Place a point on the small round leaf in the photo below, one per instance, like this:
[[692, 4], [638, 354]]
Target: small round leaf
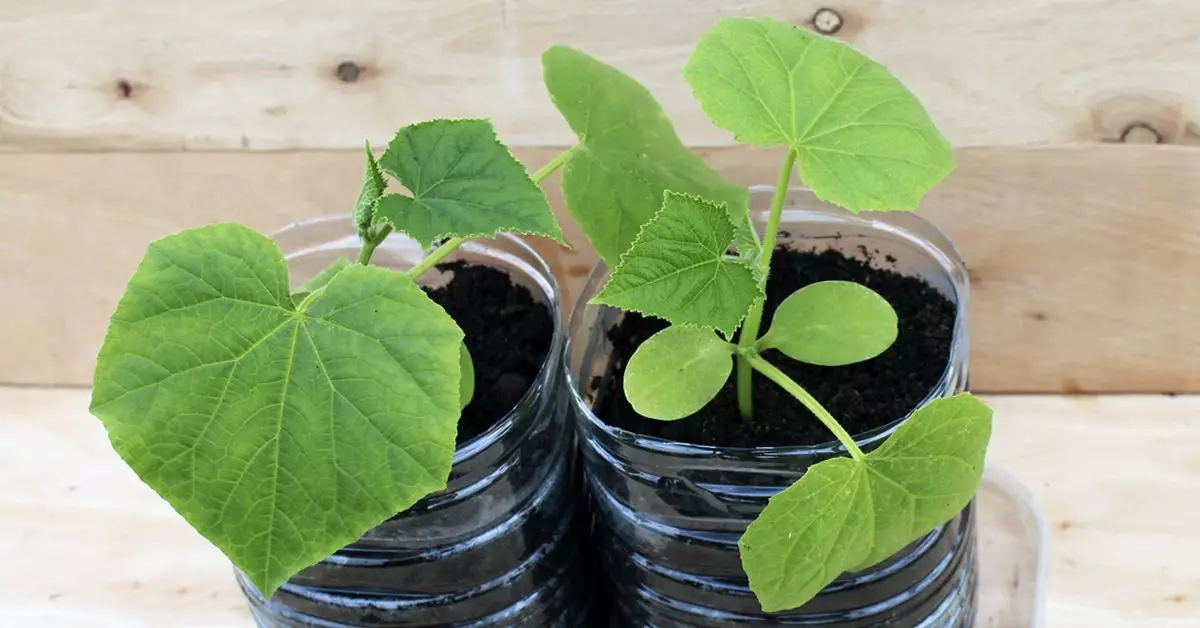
[[676, 372], [832, 323]]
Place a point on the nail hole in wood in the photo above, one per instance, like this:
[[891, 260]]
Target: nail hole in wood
[[1141, 133], [348, 71], [124, 88], [827, 21]]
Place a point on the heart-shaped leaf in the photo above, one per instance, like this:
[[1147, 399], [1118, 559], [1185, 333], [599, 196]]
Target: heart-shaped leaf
[[862, 139], [676, 371], [280, 432], [677, 269], [628, 155], [846, 514], [832, 323], [464, 183]]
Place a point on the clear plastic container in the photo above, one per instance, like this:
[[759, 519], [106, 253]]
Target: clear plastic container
[[1013, 553], [668, 514], [498, 548]]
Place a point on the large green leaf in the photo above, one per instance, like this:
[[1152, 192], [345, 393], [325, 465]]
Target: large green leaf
[[281, 433], [628, 155], [676, 371], [926, 472], [320, 279], [863, 140], [847, 514], [677, 269], [464, 183], [832, 323], [808, 534]]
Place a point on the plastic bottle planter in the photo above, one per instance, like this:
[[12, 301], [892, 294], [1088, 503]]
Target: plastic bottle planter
[[669, 514], [496, 549]]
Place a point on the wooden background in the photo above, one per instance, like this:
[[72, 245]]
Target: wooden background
[[1076, 203]]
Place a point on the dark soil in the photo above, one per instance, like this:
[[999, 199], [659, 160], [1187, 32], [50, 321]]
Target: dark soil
[[507, 332], [861, 396]]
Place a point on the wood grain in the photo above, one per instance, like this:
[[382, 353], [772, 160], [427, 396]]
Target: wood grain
[[96, 549], [1082, 258], [86, 544], [274, 74], [1108, 473]]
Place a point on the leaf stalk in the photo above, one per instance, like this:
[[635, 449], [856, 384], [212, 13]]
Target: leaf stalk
[[779, 377]]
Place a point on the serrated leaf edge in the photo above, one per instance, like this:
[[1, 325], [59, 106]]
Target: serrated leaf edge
[[364, 222], [556, 237], [598, 300]]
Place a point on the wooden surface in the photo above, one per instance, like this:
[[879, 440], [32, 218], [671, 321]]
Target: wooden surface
[[1082, 258], [1075, 204], [275, 74], [86, 545]]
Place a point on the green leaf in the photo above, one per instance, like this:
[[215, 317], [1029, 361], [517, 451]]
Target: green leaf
[[466, 385], [372, 189], [846, 515], [808, 534], [628, 155], [280, 433], [464, 183], [832, 323], [676, 371], [863, 140], [926, 472], [322, 278], [677, 269]]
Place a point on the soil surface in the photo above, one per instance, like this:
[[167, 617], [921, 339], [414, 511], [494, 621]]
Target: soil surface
[[861, 396], [508, 333]]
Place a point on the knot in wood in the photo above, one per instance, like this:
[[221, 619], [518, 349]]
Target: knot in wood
[[348, 71], [827, 21]]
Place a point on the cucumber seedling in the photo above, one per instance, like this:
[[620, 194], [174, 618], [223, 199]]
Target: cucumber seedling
[[281, 424], [682, 248]]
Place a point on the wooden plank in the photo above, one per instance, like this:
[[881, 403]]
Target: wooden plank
[[1107, 471], [271, 74], [1121, 551], [1082, 257], [87, 545]]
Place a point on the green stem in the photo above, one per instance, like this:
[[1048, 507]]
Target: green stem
[[788, 384], [438, 254], [554, 164], [369, 245], [749, 334], [451, 245]]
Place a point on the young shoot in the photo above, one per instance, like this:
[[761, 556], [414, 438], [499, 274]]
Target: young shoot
[[281, 424], [860, 140]]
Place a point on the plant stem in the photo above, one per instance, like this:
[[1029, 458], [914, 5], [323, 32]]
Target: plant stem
[[554, 164], [788, 384], [369, 245], [749, 333], [451, 245], [438, 254]]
